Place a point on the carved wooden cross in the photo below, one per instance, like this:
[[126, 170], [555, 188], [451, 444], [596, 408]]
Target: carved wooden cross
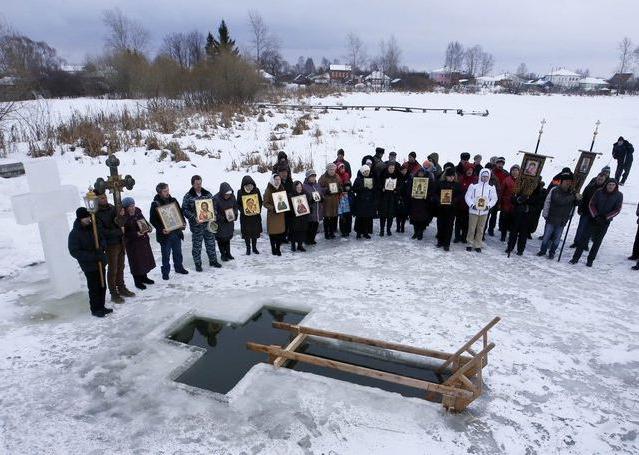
[[114, 183]]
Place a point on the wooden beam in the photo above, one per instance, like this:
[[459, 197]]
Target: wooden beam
[[366, 341], [478, 358], [292, 346], [470, 342], [362, 371]]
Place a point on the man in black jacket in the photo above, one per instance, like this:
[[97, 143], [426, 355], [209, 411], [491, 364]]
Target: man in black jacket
[[109, 225], [557, 208], [81, 244], [604, 205], [622, 152], [583, 212], [170, 241]]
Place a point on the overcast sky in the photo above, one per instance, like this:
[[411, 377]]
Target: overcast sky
[[542, 33]]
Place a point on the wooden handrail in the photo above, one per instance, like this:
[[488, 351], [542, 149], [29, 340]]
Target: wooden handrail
[[277, 351], [478, 358], [361, 340], [470, 342]]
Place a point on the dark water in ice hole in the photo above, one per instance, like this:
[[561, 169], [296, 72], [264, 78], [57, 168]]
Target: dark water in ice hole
[[227, 359]]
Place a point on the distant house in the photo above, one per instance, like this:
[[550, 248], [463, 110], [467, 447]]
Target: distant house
[[72, 69], [377, 80], [302, 79], [620, 80], [589, 84], [267, 77], [445, 76], [501, 80], [323, 78], [563, 78], [339, 73]]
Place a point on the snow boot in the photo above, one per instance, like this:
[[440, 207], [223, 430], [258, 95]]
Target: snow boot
[[124, 292], [254, 246], [147, 280], [116, 298], [198, 267]]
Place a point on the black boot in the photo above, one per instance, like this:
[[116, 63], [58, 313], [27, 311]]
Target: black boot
[[254, 246], [382, 226], [137, 280], [227, 245], [300, 247], [147, 280], [220, 246], [278, 245], [293, 246], [248, 246], [273, 248]]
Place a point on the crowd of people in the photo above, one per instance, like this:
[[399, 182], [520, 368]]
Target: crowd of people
[[469, 201]]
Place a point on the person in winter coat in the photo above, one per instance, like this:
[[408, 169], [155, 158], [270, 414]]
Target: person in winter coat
[[340, 159], [477, 165], [635, 247], [412, 165], [520, 220], [501, 175], [378, 165], [109, 222], [401, 212], [250, 214], [364, 202], [170, 241], [343, 174], [507, 207], [537, 207], [344, 210], [437, 169], [464, 159], [448, 191], [287, 182], [331, 188], [81, 244], [557, 209], [388, 195], [315, 202], [604, 205], [622, 151], [199, 227], [420, 210], [299, 223], [226, 214], [584, 213], [480, 198], [275, 222], [461, 215], [137, 244]]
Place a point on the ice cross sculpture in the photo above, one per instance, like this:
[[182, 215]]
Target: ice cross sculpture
[[48, 204]]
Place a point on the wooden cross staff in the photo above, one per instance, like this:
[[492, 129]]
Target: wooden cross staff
[[114, 183]]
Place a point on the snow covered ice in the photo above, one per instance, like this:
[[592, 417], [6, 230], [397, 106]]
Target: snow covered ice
[[562, 378]]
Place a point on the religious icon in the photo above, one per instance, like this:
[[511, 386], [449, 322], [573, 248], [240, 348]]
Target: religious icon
[[300, 205], [584, 166], [251, 204], [481, 203], [446, 197], [316, 196], [204, 210], [143, 226], [280, 200], [531, 168], [333, 188], [171, 216], [420, 188], [229, 214], [368, 183], [390, 184]]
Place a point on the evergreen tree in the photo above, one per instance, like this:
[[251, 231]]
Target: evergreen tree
[[224, 43], [211, 44]]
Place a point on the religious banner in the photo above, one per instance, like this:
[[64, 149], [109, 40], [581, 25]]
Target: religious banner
[[530, 174], [420, 188], [582, 169]]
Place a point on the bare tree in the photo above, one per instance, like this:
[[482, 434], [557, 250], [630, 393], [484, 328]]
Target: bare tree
[[522, 70], [486, 63], [472, 59], [625, 55], [195, 47], [454, 56], [389, 56], [125, 34], [583, 72], [355, 52], [263, 42], [174, 46]]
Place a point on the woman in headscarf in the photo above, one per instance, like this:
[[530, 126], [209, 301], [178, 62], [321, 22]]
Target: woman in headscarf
[[312, 187], [250, 213], [332, 189], [136, 241], [275, 222], [301, 215], [226, 214], [364, 196]]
